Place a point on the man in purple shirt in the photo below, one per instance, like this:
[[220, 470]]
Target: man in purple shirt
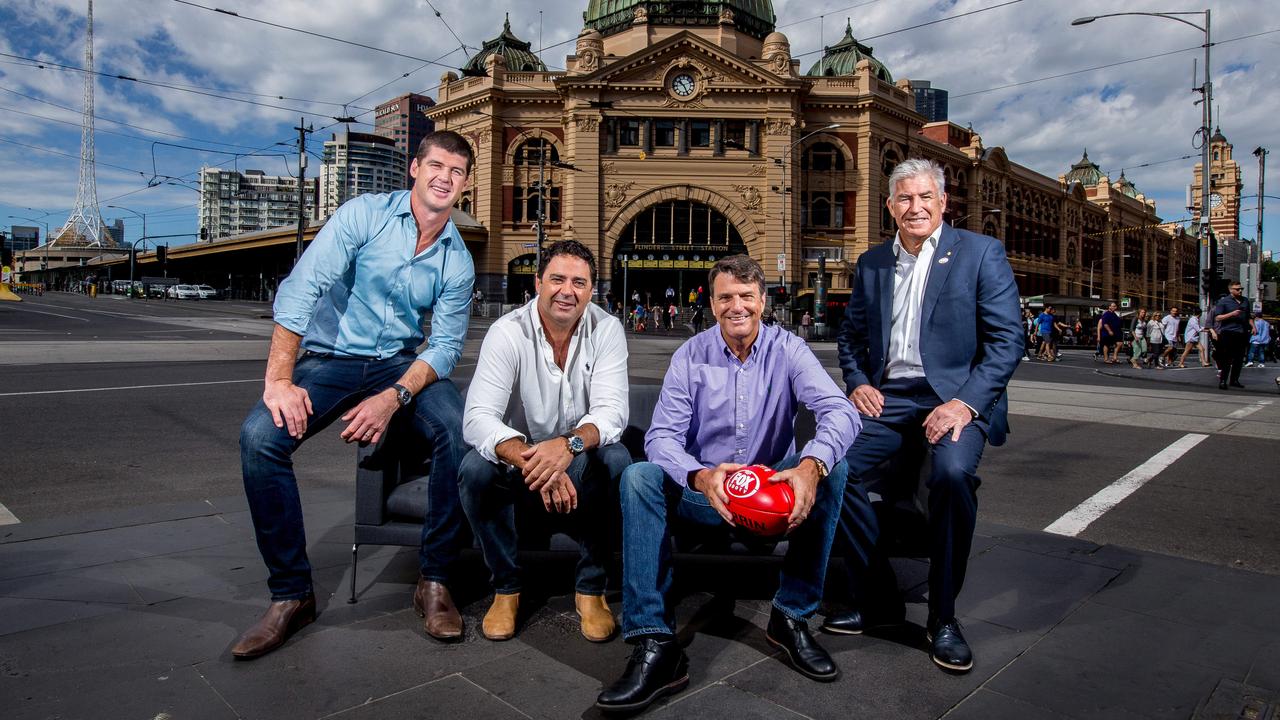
[[729, 399]]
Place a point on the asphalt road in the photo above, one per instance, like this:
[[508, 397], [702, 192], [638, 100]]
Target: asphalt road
[[110, 403]]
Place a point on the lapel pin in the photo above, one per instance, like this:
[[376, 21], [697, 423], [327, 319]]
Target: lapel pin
[[943, 261]]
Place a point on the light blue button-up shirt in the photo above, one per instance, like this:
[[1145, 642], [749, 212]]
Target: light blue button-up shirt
[[359, 290]]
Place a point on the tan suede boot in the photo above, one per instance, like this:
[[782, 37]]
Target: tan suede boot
[[598, 624], [500, 621]]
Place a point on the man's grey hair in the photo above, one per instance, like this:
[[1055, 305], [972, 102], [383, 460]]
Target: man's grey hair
[[742, 267], [914, 168]]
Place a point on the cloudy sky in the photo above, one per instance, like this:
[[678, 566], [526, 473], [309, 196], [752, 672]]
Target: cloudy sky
[[1018, 72]]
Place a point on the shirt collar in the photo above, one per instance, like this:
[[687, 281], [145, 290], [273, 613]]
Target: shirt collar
[[751, 353], [932, 241]]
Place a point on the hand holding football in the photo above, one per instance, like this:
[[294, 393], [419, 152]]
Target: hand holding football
[[757, 505]]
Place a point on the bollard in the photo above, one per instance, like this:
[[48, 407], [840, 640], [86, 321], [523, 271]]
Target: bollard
[[93, 291]]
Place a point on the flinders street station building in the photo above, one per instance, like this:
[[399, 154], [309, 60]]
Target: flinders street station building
[[680, 132]]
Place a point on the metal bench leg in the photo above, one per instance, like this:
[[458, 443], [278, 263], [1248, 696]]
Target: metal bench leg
[[354, 558]]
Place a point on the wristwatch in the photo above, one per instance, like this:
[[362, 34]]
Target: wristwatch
[[822, 467], [576, 446], [403, 396]]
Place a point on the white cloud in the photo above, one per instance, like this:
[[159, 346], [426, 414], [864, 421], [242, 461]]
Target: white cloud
[[1147, 114]]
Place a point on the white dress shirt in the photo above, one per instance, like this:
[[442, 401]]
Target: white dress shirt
[[519, 391], [911, 274]]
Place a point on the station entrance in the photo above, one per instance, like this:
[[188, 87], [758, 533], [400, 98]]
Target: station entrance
[[671, 245]]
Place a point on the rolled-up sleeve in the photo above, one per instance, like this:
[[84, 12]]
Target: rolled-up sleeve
[[488, 394], [609, 410], [325, 260], [837, 421], [449, 318], [664, 443]]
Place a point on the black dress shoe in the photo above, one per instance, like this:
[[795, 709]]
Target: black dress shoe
[[950, 651], [853, 622], [802, 651], [656, 668], [1222, 384]]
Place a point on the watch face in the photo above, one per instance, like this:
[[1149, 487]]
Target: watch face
[[682, 85]]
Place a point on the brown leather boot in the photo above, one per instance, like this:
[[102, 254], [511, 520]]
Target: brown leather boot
[[500, 621], [432, 602], [282, 619], [597, 620]]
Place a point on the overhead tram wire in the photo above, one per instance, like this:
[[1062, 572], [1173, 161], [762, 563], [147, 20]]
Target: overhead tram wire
[[924, 24], [44, 65], [1111, 65], [121, 122]]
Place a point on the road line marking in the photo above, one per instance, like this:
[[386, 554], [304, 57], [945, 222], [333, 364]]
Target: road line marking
[[1079, 518], [126, 387], [42, 312], [7, 517], [1246, 411]]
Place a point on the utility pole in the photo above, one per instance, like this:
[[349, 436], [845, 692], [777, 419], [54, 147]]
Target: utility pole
[[302, 186], [1261, 154]]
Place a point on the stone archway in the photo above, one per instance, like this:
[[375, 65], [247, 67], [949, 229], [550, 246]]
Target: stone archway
[[752, 234]]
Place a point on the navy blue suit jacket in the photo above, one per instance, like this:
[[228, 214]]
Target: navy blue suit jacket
[[971, 334]]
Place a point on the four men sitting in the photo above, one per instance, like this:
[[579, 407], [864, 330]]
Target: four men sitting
[[929, 341]]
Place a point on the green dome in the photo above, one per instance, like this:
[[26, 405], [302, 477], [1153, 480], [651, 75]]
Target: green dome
[[753, 17], [843, 58], [1085, 172], [514, 50]]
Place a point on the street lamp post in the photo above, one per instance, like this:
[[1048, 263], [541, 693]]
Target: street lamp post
[[1206, 126], [1092, 263], [44, 264], [782, 186], [133, 251], [625, 300], [1260, 153]]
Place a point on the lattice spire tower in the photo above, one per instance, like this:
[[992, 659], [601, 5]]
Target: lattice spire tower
[[85, 226]]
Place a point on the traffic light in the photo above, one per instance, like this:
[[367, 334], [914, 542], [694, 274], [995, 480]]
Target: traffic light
[[162, 253], [1206, 283], [780, 296]]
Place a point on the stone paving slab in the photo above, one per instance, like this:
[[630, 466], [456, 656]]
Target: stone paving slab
[[112, 611]]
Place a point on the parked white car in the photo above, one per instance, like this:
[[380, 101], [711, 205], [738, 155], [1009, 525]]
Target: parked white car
[[206, 292], [184, 292]]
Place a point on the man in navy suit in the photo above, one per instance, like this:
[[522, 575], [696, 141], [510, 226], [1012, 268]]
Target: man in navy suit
[[930, 338]]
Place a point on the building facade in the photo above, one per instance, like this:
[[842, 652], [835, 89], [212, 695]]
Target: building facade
[[358, 163], [931, 102], [679, 134], [233, 203], [404, 120], [1226, 185]]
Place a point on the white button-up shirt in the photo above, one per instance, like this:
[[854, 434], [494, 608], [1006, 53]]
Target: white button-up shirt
[[911, 274], [519, 391]]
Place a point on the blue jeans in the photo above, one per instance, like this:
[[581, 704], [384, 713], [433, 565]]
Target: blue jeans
[[335, 385], [953, 496], [651, 500], [1257, 353], [491, 492]]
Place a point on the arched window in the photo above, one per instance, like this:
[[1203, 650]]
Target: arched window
[[682, 223], [535, 176], [822, 157]]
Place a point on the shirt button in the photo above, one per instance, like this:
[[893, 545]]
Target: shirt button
[[740, 426]]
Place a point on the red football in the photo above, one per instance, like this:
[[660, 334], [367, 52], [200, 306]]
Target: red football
[[757, 505]]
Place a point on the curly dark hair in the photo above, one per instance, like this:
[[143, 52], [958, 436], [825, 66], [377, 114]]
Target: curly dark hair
[[568, 247]]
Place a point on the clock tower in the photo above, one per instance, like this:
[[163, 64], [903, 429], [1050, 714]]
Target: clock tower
[[1225, 187]]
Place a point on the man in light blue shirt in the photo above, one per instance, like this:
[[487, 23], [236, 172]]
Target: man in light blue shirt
[[355, 303]]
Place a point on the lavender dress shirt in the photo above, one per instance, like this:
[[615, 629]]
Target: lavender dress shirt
[[714, 409]]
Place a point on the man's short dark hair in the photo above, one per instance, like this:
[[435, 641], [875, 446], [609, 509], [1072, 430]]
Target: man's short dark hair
[[449, 141], [741, 267], [572, 248]]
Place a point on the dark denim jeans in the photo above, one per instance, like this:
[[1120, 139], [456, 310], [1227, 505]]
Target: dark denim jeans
[[335, 385], [651, 500], [490, 494]]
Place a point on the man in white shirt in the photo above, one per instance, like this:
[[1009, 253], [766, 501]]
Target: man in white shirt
[[544, 415], [1169, 326]]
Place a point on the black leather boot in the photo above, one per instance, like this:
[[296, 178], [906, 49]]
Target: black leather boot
[[802, 652], [657, 667]]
